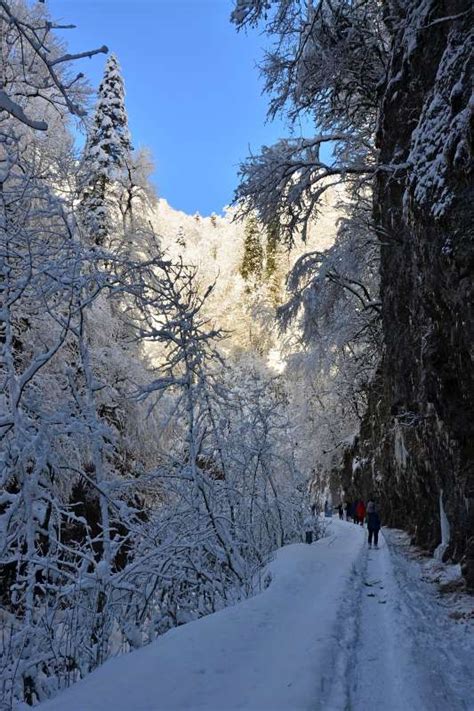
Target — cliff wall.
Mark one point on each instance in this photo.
(416, 446)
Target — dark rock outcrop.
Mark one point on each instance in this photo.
(416, 446)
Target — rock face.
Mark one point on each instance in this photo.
(416, 446)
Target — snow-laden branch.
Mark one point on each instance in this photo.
(28, 32)
(15, 110)
(285, 181)
(81, 55)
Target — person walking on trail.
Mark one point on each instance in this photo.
(309, 525)
(347, 509)
(373, 523)
(360, 511)
(340, 511)
(327, 509)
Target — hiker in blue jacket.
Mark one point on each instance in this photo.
(373, 523)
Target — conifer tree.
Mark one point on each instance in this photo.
(107, 151)
(252, 262)
(273, 275)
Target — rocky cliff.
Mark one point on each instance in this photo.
(416, 446)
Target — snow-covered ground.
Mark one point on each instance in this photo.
(339, 627)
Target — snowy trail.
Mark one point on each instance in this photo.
(406, 654)
(338, 629)
(383, 669)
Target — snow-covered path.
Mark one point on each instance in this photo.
(338, 629)
(405, 656)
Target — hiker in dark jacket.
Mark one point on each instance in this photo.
(340, 511)
(310, 524)
(373, 523)
(347, 509)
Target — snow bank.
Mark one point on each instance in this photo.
(270, 652)
(339, 627)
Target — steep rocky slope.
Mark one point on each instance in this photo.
(417, 440)
(215, 246)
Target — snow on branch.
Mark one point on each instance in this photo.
(81, 55)
(35, 39)
(15, 110)
(286, 181)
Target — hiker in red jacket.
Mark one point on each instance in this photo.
(360, 511)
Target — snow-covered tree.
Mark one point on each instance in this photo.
(333, 322)
(65, 517)
(327, 63)
(106, 154)
(252, 260)
(27, 40)
(143, 479)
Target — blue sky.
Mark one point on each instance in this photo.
(193, 90)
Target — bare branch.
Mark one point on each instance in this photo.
(70, 57)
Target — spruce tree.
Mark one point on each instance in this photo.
(273, 276)
(271, 250)
(252, 262)
(107, 151)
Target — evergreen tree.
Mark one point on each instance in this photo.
(271, 250)
(252, 262)
(273, 275)
(181, 238)
(107, 151)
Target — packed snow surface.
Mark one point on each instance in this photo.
(339, 627)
